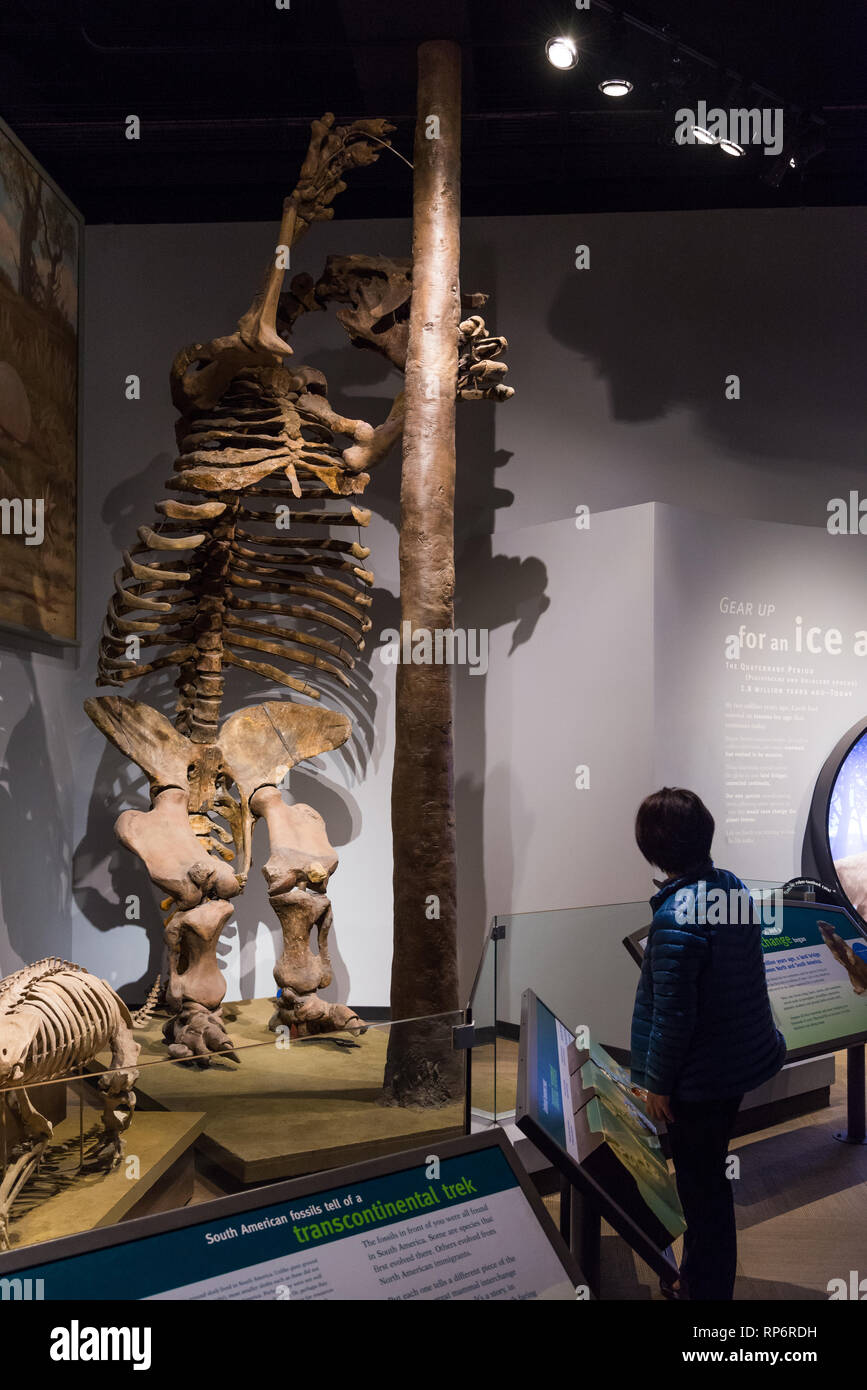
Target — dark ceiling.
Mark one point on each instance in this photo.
(225, 90)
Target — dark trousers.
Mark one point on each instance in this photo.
(699, 1140)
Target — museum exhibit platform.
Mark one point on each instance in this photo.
(284, 1111)
(66, 1196)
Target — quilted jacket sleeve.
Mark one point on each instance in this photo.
(678, 957)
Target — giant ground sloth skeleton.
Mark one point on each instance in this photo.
(248, 566)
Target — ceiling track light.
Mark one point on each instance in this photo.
(807, 142)
(562, 52)
(612, 51)
(615, 87)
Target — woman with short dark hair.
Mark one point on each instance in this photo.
(702, 1029)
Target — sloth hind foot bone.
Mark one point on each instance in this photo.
(197, 1034)
(309, 1014)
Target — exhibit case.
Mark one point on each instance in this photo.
(238, 613)
(584, 963)
(574, 960)
(116, 1137)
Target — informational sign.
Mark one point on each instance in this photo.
(613, 1083)
(816, 967)
(464, 1224)
(613, 1115)
(816, 970)
(580, 1108)
(777, 668)
(628, 1161)
(556, 1059)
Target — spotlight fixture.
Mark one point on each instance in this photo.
(561, 52)
(615, 87)
(732, 147)
(802, 146)
(774, 175)
(703, 136)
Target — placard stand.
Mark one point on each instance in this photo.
(856, 1110)
(581, 1228)
(362, 1234)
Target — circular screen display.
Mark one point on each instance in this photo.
(847, 825)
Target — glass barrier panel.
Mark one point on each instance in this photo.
(575, 961)
(482, 1009)
(126, 1137)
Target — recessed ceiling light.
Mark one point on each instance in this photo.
(615, 87)
(703, 136)
(731, 147)
(561, 52)
(793, 163)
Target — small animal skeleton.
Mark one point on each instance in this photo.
(54, 1018)
(245, 565)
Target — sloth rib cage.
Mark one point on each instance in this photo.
(253, 569)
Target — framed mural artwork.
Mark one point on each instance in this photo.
(40, 258)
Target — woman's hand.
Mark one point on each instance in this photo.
(658, 1107)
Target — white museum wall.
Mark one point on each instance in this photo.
(751, 734)
(576, 691)
(658, 703)
(619, 374)
(573, 690)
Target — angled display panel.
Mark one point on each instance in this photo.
(580, 1109)
(387, 1230)
(816, 969)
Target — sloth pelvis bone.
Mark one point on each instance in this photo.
(184, 847)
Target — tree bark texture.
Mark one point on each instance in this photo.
(422, 1068)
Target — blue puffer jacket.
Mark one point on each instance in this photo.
(702, 1027)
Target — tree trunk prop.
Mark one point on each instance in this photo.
(422, 1068)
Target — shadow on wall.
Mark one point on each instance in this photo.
(665, 329)
(34, 848)
(504, 591)
(130, 504)
(492, 591)
(105, 874)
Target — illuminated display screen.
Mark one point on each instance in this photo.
(847, 825)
